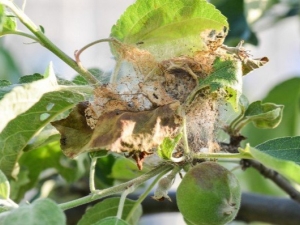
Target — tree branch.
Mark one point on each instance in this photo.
(279, 180)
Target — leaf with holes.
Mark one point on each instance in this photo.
(118, 131)
(226, 74)
(28, 108)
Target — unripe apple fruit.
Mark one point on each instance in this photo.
(209, 194)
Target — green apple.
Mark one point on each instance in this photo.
(209, 194)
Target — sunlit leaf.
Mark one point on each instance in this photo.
(108, 208)
(167, 147)
(169, 28)
(27, 109)
(8, 21)
(282, 155)
(4, 186)
(21, 98)
(43, 211)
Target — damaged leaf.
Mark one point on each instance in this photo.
(75, 133)
(168, 28)
(226, 74)
(249, 64)
(118, 131)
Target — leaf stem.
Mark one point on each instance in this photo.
(92, 174)
(116, 189)
(20, 33)
(144, 195)
(78, 53)
(44, 41)
(185, 137)
(122, 200)
(242, 155)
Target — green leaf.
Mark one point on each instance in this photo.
(98, 154)
(226, 74)
(1, 14)
(21, 98)
(167, 147)
(42, 139)
(41, 211)
(8, 21)
(103, 171)
(109, 208)
(282, 155)
(30, 78)
(264, 115)
(4, 186)
(286, 93)
(29, 108)
(169, 28)
(125, 169)
(4, 83)
(49, 156)
(111, 221)
(17, 185)
(102, 76)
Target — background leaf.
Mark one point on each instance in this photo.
(125, 169)
(30, 78)
(286, 93)
(42, 211)
(4, 186)
(282, 155)
(111, 221)
(264, 115)
(168, 28)
(49, 156)
(239, 28)
(108, 208)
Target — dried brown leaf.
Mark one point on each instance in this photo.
(139, 133)
(249, 64)
(75, 133)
